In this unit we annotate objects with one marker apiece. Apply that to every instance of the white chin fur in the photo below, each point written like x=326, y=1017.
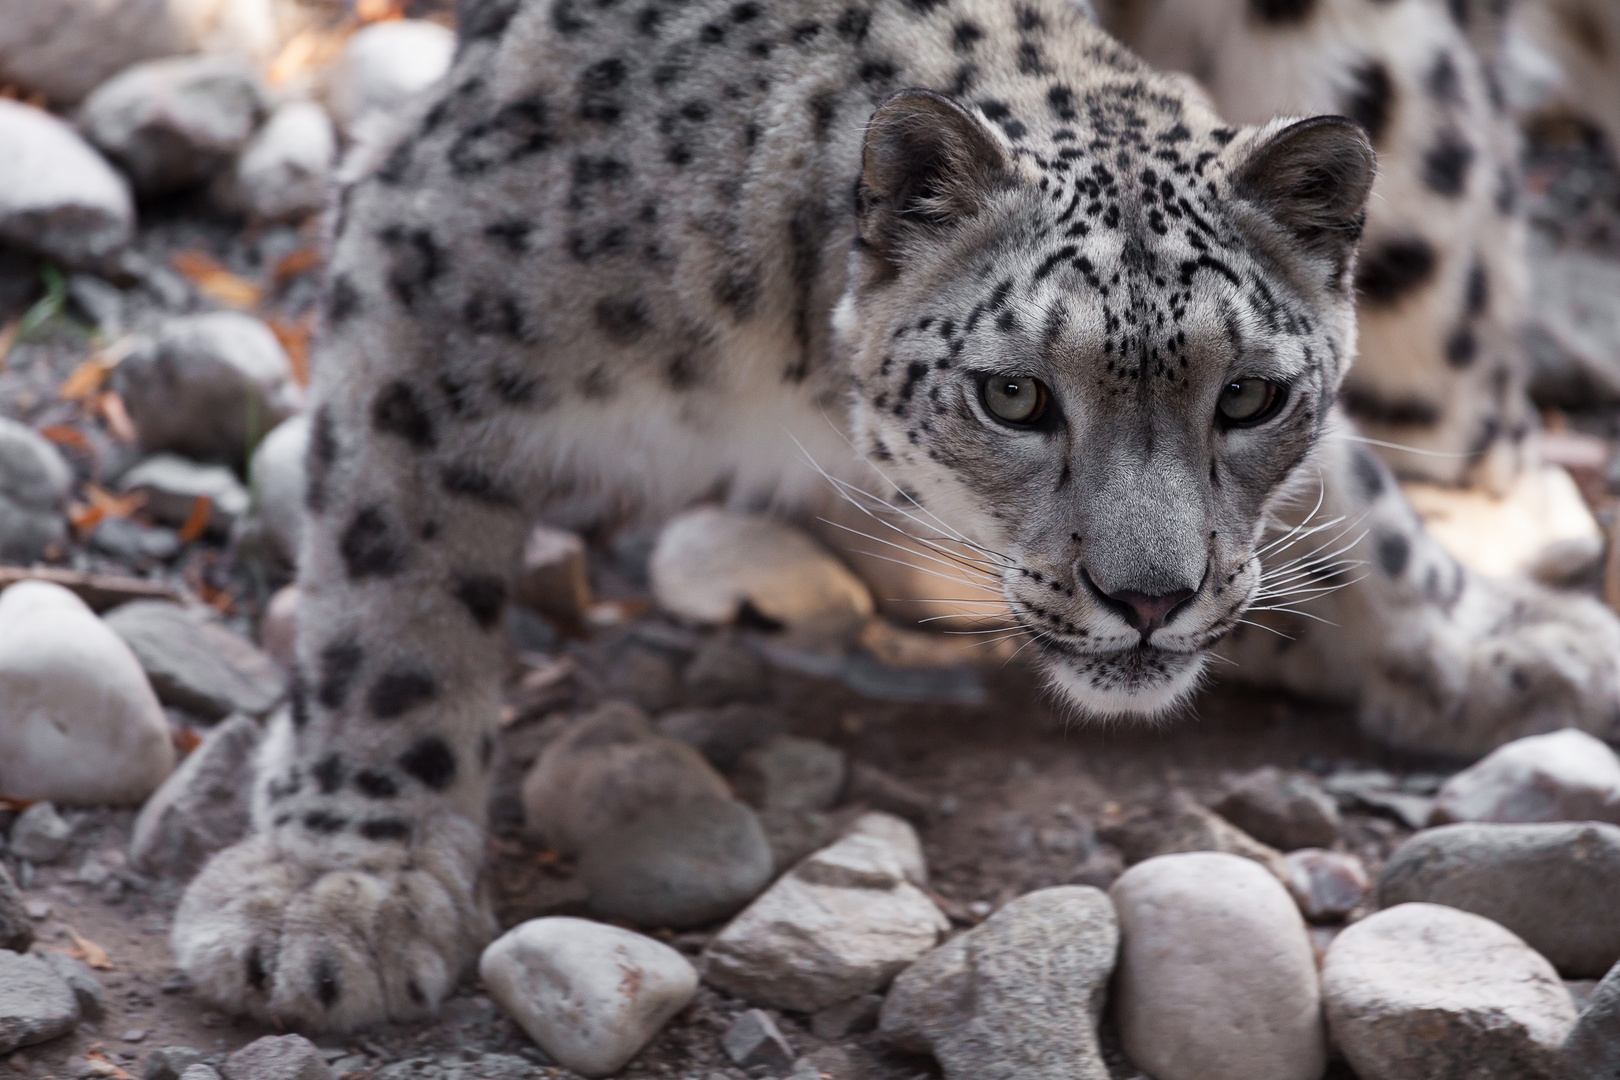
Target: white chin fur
x=1148, y=698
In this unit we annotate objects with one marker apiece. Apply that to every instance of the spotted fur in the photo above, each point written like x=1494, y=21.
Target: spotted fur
x=667, y=251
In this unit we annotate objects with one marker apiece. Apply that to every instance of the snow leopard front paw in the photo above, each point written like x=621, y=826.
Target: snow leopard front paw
x=1501, y=661
x=270, y=932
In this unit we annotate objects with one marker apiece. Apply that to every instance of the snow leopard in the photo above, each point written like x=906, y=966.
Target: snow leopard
x=725, y=250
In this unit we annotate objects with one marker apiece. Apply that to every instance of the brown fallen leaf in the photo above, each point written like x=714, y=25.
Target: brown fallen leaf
x=84, y=518
x=8, y=335
x=105, y=1067
x=185, y=740
x=371, y=11
x=214, y=280
x=70, y=437
x=112, y=409
x=296, y=263
x=202, y=511
x=85, y=380
x=8, y=802
x=118, y=506
x=294, y=338
x=88, y=951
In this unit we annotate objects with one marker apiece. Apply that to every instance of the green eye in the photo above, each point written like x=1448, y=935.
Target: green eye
x=1249, y=401
x=1015, y=399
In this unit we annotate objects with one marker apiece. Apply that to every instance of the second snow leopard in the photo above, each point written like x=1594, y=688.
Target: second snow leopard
x=654, y=248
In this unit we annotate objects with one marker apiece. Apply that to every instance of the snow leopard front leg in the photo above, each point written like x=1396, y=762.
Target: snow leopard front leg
x=359, y=897
x=1437, y=657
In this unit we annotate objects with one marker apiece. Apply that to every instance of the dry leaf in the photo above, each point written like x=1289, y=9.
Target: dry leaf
x=84, y=380
x=70, y=437
x=118, y=506
x=185, y=740
x=297, y=263
x=379, y=10
x=108, y=1068
x=88, y=951
x=111, y=407
x=8, y=334
x=84, y=518
x=294, y=338
x=214, y=280
x=7, y=802
x=202, y=509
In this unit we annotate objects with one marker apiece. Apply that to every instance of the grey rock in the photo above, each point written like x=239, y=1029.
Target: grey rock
x=171, y=486
x=196, y=664
x=1287, y=811
x=879, y=790
x=35, y=1003
x=100, y=300
x=1562, y=776
x=40, y=834
x=1420, y=991
x=1574, y=331
x=790, y=773
x=201, y=1071
x=16, y=925
x=684, y=865
x=1592, y=1050
x=1551, y=884
x=276, y=475
x=793, y=834
x=87, y=989
x=1327, y=885
x=284, y=174
x=754, y=1040
x=66, y=48
x=722, y=735
x=556, y=575
x=34, y=483
x=278, y=1057
x=646, y=677
x=853, y=1017
x=57, y=196
x=1016, y=998
x=170, y=1062
x=208, y=386
x=606, y=769
x=203, y=806
x=842, y=923
x=723, y=671
x=1177, y=823
x=131, y=542
x=174, y=123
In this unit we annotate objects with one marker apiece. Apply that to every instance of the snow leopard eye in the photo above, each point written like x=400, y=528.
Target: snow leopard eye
x=1245, y=402
x=1018, y=400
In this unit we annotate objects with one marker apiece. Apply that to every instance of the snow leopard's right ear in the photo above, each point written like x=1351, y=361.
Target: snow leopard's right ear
x=927, y=164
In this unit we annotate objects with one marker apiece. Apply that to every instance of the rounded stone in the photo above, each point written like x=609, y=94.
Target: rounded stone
x=36, y=1004
x=384, y=66
x=1561, y=776
x=79, y=723
x=679, y=866
x=1420, y=991
x=58, y=197
x=1217, y=977
x=285, y=172
x=276, y=476
x=34, y=484
x=1552, y=884
x=591, y=995
x=710, y=563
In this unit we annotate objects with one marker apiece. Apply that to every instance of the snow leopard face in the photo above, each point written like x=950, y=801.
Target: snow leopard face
x=1099, y=335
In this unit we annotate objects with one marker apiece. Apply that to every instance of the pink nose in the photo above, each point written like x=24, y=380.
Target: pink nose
x=1147, y=613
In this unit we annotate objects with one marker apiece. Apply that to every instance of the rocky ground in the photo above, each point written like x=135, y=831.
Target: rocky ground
x=819, y=845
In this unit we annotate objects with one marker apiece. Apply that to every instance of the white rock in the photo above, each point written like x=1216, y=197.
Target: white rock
x=172, y=484
x=276, y=476
x=591, y=995
x=1541, y=528
x=278, y=630
x=1217, y=978
x=34, y=484
x=40, y=834
x=608, y=769
x=555, y=578
x=710, y=562
x=842, y=923
x=202, y=807
x=285, y=172
x=1561, y=776
x=170, y=124
x=79, y=723
x=278, y=1057
x=1016, y=998
x=57, y=196
x=1420, y=991
x=66, y=48
x=208, y=386
x=384, y=66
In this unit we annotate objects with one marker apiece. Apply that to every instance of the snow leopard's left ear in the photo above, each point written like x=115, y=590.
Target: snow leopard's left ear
x=926, y=165
x=1312, y=178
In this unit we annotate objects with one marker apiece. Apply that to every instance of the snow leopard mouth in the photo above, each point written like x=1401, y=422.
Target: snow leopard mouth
x=1142, y=681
